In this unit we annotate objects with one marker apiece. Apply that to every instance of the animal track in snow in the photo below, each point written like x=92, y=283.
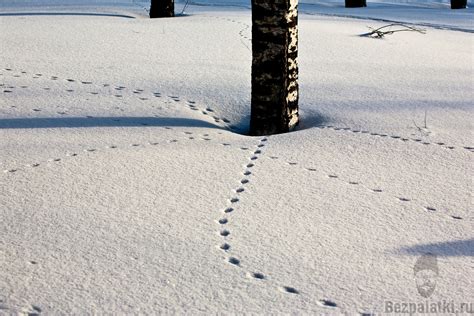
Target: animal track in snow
x=136, y=91
x=228, y=210
x=257, y=275
x=234, y=261
x=223, y=221
x=327, y=303
x=395, y=137
x=234, y=200
x=225, y=246
x=375, y=190
x=289, y=289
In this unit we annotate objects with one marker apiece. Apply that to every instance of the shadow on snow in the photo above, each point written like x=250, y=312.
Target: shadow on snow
x=458, y=248
x=67, y=14
x=78, y=122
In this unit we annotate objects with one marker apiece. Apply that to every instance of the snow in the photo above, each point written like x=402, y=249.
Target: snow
x=126, y=169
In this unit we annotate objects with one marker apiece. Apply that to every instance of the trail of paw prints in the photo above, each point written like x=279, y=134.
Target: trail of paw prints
x=243, y=33
x=31, y=310
x=207, y=111
x=376, y=190
x=185, y=136
x=88, y=150
x=396, y=137
x=118, y=91
x=226, y=217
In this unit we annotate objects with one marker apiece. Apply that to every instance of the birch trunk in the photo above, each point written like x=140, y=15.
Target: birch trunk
x=458, y=4
x=162, y=9
x=356, y=3
x=274, y=66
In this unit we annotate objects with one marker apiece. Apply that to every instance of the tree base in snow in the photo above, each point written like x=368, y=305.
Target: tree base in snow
x=162, y=9
x=356, y=3
x=458, y=4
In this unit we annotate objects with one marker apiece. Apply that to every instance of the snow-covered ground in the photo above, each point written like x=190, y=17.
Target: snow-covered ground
x=128, y=184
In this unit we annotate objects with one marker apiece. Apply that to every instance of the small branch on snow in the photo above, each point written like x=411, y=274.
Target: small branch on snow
x=424, y=131
x=386, y=30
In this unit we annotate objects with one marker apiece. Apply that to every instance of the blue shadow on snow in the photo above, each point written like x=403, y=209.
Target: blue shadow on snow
x=77, y=122
x=458, y=248
x=67, y=14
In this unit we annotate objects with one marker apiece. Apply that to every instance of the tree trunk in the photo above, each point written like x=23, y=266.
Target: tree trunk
x=162, y=9
x=356, y=3
x=458, y=4
x=274, y=66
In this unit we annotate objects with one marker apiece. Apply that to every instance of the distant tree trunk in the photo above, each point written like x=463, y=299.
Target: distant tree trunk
x=274, y=66
x=356, y=3
x=162, y=9
x=458, y=4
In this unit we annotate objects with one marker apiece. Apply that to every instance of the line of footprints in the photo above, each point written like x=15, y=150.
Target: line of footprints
x=377, y=190
x=223, y=221
x=245, y=28
x=192, y=105
x=187, y=136
x=211, y=112
x=395, y=137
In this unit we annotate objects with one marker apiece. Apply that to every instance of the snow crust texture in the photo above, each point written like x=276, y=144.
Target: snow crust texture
x=128, y=185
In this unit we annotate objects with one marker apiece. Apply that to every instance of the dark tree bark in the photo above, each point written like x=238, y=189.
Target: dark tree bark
x=356, y=3
x=458, y=4
x=274, y=66
x=162, y=9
